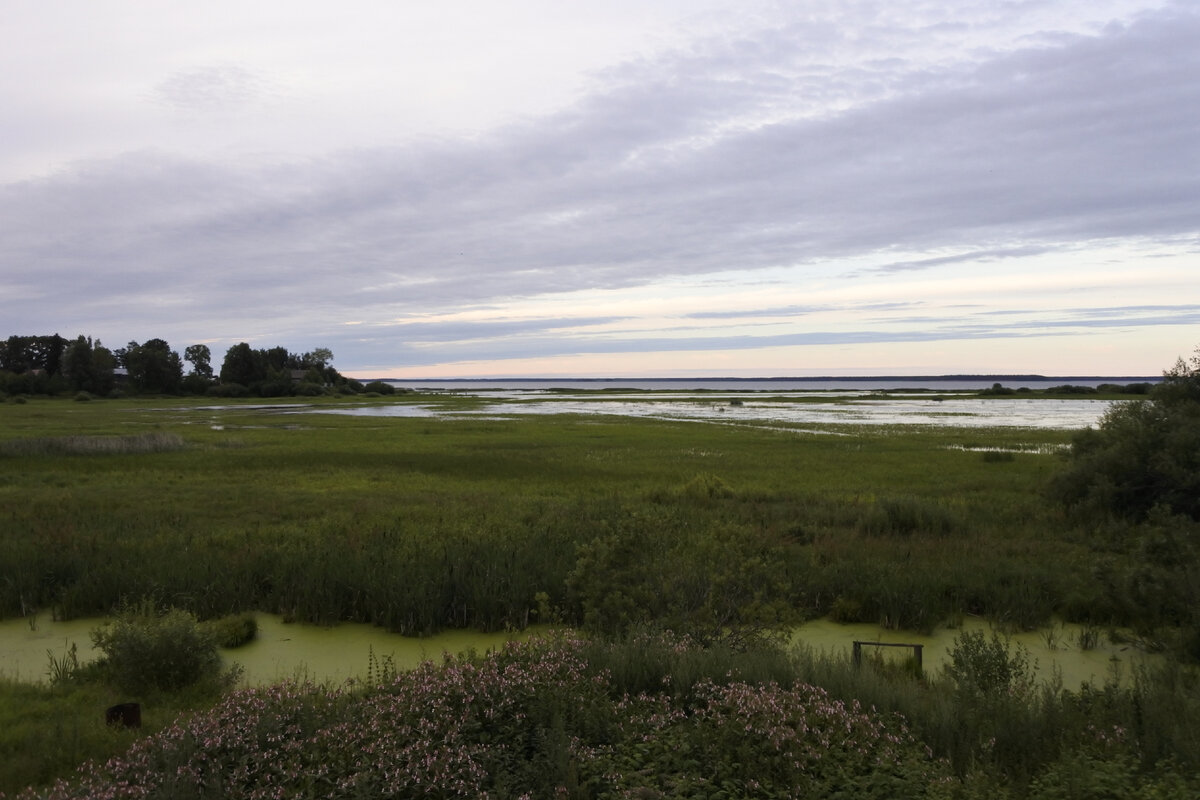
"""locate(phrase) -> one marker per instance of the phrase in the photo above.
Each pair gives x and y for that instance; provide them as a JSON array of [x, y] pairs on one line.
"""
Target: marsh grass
[[422, 524]]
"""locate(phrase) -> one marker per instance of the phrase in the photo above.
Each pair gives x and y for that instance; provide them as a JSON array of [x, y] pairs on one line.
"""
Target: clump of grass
[[907, 515], [232, 631], [156, 442], [705, 486]]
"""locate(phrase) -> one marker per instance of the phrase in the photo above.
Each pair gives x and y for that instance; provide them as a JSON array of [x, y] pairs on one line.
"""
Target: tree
[[88, 366], [319, 358], [154, 367], [1144, 453], [279, 359], [200, 357], [243, 365], [23, 353]]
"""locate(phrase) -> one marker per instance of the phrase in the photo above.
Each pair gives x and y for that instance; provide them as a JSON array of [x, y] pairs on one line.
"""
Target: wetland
[[769, 530]]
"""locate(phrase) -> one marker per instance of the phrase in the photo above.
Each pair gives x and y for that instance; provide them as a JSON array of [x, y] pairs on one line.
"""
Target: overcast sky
[[624, 188]]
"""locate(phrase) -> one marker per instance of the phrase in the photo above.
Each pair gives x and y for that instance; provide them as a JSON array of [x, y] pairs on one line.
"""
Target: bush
[[979, 665], [145, 649]]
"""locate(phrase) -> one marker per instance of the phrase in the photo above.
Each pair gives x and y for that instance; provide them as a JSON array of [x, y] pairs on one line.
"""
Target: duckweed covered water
[[335, 654], [281, 651]]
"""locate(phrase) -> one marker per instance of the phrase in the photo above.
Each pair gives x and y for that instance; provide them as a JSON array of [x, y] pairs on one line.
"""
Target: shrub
[[228, 390], [145, 649], [987, 666], [379, 387], [234, 630]]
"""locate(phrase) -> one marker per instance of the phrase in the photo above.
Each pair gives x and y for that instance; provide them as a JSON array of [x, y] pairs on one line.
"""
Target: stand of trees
[[1144, 455], [49, 365]]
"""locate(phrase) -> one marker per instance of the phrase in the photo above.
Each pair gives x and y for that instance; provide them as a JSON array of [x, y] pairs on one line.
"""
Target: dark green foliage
[[200, 357], [154, 368], [243, 365], [379, 387], [21, 354], [89, 366], [1145, 453], [275, 372]]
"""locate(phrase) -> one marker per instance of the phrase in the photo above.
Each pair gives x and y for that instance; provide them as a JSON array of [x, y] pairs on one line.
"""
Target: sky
[[630, 188]]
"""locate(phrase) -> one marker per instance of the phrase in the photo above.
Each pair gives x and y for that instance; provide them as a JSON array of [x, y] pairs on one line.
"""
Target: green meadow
[[614, 527]]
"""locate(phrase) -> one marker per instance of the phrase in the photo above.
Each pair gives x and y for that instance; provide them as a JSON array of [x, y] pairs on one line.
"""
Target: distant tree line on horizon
[[52, 365]]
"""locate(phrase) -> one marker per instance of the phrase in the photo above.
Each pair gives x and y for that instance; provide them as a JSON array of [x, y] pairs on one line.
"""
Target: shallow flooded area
[[802, 408]]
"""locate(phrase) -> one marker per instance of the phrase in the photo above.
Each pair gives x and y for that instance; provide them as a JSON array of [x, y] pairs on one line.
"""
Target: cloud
[[792, 146], [961, 258]]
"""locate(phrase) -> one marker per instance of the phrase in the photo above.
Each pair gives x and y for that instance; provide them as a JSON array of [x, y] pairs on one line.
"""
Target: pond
[[290, 650]]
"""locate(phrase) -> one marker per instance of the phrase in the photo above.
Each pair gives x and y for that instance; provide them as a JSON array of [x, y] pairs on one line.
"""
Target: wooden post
[[918, 651]]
